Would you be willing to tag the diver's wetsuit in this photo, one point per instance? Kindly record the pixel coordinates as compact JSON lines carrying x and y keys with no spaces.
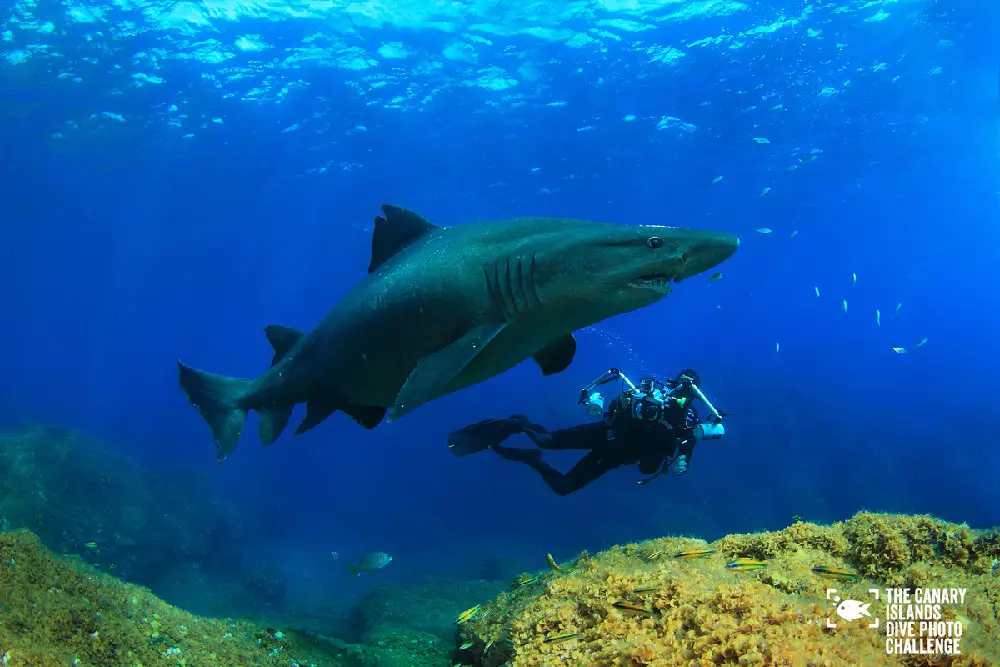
{"x":618,"y":440}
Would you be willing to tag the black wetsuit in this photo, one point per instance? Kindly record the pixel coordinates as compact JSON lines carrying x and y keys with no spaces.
{"x":618,"y":440}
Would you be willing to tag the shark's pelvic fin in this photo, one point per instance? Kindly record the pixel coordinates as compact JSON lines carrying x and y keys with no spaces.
{"x":282,"y":339}
{"x":368,"y":416}
{"x":317,"y":409}
{"x":556,"y":356}
{"x":434,"y":372}
{"x":399,"y":228}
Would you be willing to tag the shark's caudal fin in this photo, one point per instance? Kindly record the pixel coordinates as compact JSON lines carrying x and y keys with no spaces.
{"x":217,"y":398}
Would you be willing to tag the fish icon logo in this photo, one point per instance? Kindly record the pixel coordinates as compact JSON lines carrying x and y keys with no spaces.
{"x":852,"y":610}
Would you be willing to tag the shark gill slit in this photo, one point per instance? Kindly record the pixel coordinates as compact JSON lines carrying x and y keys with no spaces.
{"x":532,"y":288}
{"x":508,"y":283}
{"x":520,"y":284}
{"x":497,"y":291}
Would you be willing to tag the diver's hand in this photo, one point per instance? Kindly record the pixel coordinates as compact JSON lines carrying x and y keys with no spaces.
{"x":681,"y":465}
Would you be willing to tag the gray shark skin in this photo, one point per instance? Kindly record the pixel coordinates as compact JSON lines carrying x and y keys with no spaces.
{"x":443,"y":308}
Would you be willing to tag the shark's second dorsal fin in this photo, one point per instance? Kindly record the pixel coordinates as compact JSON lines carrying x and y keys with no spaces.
{"x":399,"y":228}
{"x":282,"y":339}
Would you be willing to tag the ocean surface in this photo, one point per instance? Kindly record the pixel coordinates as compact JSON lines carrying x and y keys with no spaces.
{"x":175,"y":176}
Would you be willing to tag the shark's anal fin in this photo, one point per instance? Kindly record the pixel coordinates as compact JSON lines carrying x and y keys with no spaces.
{"x":274,"y":417}
{"x":282,"y":339}
{"x":399,"y":228}
{"x":273,"y":420}
{"x":434,"y":372}
{"x":556,"y":356}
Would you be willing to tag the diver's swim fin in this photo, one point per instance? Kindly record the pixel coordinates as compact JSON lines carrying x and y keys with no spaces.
{"x":482,"y":435}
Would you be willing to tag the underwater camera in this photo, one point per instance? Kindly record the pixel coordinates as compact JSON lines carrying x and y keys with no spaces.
{"x":647,"y":401}
{"x":594,"y":403}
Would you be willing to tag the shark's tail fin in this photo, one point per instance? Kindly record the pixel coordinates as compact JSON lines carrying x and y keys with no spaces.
{"x":218,"y":399}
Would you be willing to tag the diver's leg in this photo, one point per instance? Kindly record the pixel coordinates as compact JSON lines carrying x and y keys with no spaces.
{"x":584,"y":436}
{"x":587,"y":469}
{"x":482,"y":435}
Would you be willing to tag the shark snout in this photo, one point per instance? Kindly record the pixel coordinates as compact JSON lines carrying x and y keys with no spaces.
{"x":706,"y":251}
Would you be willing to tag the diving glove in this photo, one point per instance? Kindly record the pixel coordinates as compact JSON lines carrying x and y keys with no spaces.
{"x":681,"y":465}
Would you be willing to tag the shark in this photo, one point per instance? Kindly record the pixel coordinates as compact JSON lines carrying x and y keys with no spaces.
{"x":444,"y":308}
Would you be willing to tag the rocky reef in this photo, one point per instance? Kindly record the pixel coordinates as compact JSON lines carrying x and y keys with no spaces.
{"x":57,"y":610}
{"x":681,"y":601}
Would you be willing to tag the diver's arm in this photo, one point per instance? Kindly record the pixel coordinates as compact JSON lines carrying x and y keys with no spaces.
{"x":687,"y":448}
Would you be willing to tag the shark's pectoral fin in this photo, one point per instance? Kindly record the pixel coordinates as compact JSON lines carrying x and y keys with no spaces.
{"x":282,"y":339}
{"x":556,"y":356}
{"x":434,"y":372}
{"x":317,"y":409}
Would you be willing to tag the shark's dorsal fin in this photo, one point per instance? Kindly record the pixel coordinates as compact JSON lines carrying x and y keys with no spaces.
{"x":282,"y":339}
{"x":399,"y":228}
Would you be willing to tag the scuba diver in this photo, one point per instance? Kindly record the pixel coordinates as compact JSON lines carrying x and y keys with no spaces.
{"x":655,"y":425}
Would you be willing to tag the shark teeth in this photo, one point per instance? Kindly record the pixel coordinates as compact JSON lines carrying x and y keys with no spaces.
{"x":660,"y":283}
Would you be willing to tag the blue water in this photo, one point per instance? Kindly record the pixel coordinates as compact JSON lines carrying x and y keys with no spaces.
{"x":158,"y":207}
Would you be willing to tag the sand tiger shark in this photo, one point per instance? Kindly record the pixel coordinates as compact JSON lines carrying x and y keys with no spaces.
{"x":443,"y":308}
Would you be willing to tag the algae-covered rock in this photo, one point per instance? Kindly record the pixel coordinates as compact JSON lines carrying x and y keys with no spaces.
{"x":59,"y":611}
{"x":638,"y":604}
{"x":80,"y":495}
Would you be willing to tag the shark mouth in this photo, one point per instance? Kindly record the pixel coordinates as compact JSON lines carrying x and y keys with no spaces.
{"x":655,"y":281}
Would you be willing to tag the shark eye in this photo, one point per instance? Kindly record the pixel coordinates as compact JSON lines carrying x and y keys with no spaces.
{"x":654,"y":242}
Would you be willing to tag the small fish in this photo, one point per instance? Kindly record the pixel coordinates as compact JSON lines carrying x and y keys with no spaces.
{"x":896,"y":314}
{"x":777,"y":347}
{"x":370,"y":562}
{"x":843,"y":306}
{"x":762,"y":140}
{"x":806,"y":159}
{"x":561,"y":638}
{"x":632,"y":608}
{"x":878,"y":318}
{"x":793,"y":234}
{"x":525,"y":580}
{"x":854,"y":279}
{"x":764,"y":230}
{"x":465,"y":646}
{"x":791,"y":167}
{"x":655,"y":555}
{"x":816,"y":290}
{"x":651,"y":589}
{"x":552,"y":562}
{"x":923,"y":341}
{"x":715,"y":276}
{"x":468,"y":614}
{"x":91,"y":545}
{"x":691,"y":554}
{"x":746,"y":564}
{"x":835,"y":573}
{"x":765,"y":191}
{"x":717,"y":179}
{"x":899,"y":350}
